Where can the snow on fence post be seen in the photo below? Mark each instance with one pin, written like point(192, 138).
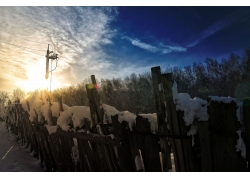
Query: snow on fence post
point(173, 121)
point(246, 118)
point(223, 126)
point(161, 116)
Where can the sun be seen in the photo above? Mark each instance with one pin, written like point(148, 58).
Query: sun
point(36, 78)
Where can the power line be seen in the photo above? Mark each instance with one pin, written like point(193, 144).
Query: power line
point(56, 65)
point(22, 38)
point(21, 48)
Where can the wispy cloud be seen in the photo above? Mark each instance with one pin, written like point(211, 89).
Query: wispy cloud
point(161, 48)
point(75, 33)
point(239, 15)
point(145, 46)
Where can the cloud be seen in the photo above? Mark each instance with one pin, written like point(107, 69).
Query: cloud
point(77, 34)
point(145, 46)
point(164, 49)
point(239, 15)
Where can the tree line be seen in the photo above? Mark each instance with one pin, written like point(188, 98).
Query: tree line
point(227, 77)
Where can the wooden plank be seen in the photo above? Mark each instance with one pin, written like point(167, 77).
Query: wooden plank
point(107, 157)
point(108, 151)
point(60, 105)
point(246, 118)
point(33, 139)
point(173, 121)
point(114, 159)
point(134, 148)
point(28, 106)
point(149, 146)
point(23, 126)
point(161, 116)
point(28, 130)
point(41, 149)
point(15, 121)
point(97, 102)
point(86, 152)
point(49, 158)
point(191, 161)
point(91, 137)
point(120, 130)
point(64, 155)
point(54, 149)
point(94, 163)
point(37, 139)
point(94, 120)
point(97, 149)
point(159, 99)
point(49, 148)
point(206, 147)
point(66, 146)
point(82, 159)
point(223, 127)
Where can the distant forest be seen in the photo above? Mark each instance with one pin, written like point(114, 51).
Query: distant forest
point(228, 77)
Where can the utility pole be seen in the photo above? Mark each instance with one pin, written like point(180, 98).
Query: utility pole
point(48, 57)
point(47, 63)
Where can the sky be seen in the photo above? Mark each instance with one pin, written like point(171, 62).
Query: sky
point(113, 41)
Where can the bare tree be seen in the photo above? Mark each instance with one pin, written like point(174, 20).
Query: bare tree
point(3, 97)
point(18, 94)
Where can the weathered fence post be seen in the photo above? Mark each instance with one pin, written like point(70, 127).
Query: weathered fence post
point(60, 103)
point(246, 118)
point(148, 144)
point(223, 126)
point(186, 159)
point(205, 145)
point(159, 99)
point(33, 139)
point(97, 102)
point(173, 121)
point(124, 153)
point(94, 103)
point(161, 116)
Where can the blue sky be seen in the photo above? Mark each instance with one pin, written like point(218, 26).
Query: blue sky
point(113, 41)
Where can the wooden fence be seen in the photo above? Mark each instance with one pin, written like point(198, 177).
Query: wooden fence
point(114, 147)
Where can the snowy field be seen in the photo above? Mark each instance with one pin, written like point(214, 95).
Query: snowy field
point(14, 157)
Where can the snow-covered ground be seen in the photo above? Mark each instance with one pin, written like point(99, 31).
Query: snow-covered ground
point(14, 157)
